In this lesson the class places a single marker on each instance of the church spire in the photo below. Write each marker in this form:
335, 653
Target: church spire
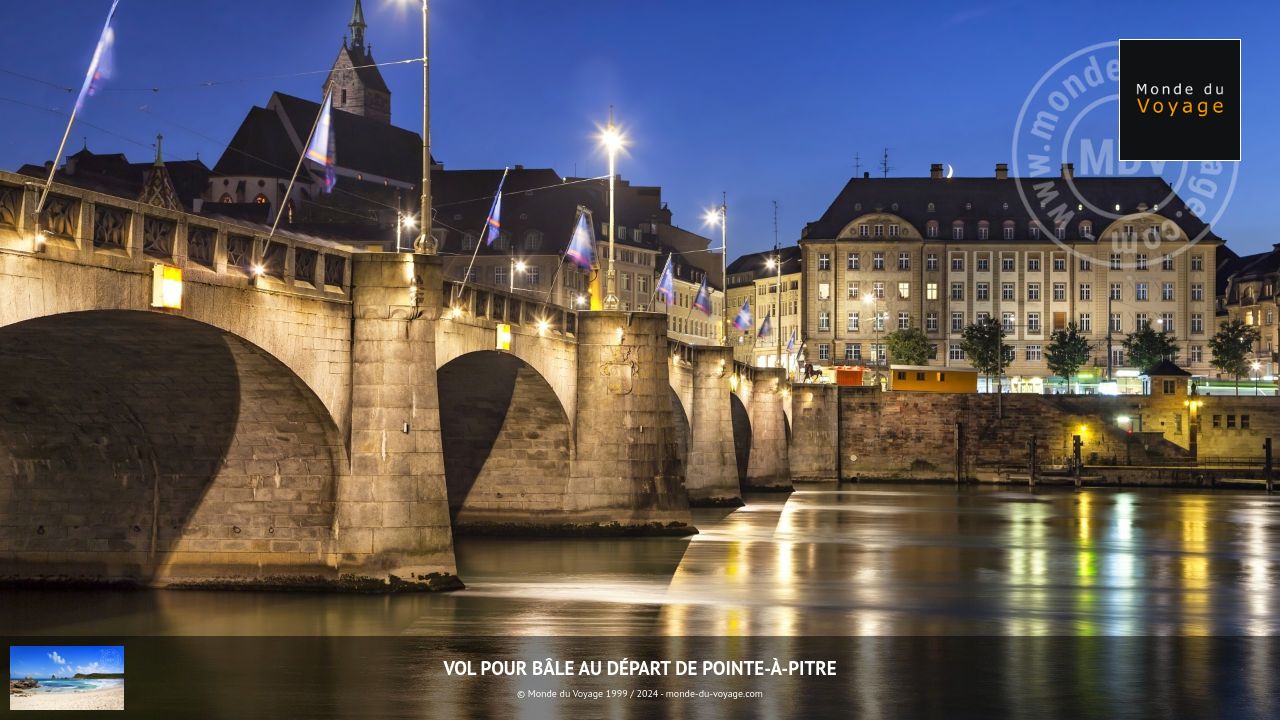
357, 26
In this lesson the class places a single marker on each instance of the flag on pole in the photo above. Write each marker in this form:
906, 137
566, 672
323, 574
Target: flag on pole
743, 321
791, 341
666, 284
766, 327
320, 149
702, 300
582, 247
100, 65
493, 225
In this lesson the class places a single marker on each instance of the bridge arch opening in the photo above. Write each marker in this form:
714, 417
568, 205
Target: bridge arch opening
680, 428
507, 441
741, 436
148, 447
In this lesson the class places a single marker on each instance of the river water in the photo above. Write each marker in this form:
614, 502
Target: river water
1035, 596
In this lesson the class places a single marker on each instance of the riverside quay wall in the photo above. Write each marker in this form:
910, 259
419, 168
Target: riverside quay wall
865, 434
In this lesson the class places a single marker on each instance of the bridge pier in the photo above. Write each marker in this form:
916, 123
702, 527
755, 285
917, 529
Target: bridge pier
391, 522
711, 473
625, 473
768, 467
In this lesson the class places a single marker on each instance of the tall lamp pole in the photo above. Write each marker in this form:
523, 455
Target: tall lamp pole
775, 263
720, 216
870, 299
613, 141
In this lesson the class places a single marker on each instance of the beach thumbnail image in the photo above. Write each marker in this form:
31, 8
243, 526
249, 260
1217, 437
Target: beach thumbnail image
66, 677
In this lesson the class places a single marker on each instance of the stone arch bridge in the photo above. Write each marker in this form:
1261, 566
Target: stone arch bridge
318, 415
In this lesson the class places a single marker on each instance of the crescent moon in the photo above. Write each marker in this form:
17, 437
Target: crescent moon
950, 171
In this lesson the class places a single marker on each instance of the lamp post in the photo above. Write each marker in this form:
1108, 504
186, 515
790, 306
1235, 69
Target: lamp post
406, 222
611, 138
426, 137
720, 216
517, 266
775, 263
870, 299
1257, 368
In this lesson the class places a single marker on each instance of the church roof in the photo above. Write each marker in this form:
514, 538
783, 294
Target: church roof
263, 145
113, 174
366, 68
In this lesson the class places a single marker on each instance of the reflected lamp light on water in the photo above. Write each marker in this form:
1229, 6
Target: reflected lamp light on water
166, 287
504, 337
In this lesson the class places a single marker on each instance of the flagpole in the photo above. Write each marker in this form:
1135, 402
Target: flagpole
467, 275
301, 156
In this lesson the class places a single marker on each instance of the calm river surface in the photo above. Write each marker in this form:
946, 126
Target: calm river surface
1115, 584
858, 560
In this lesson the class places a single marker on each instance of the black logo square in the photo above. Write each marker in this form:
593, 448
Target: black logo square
1180, 100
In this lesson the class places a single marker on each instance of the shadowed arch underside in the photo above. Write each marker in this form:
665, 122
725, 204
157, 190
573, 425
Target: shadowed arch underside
148, 448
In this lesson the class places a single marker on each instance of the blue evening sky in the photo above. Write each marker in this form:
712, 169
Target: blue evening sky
764, 100
64, 660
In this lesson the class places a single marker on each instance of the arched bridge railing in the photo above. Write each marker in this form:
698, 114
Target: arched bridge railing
90, 227
491, 304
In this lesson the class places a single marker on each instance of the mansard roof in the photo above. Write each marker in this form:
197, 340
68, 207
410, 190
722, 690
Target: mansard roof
972, 199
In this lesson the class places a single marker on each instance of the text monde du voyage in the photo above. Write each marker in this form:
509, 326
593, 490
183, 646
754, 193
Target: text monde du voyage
1179, 100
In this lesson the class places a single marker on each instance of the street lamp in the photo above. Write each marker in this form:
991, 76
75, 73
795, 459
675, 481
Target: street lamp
517, 266
407, 222
1257, 367
775, 263
720, 216
870, 299
613, 141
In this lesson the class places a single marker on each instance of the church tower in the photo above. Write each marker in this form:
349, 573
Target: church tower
357, 84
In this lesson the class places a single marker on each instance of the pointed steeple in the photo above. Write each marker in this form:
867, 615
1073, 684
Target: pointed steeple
157, 186
357, 26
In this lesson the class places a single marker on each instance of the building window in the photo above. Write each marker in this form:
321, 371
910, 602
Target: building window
984, 264
893, 230
1033, 231
500, 275
904, 320
1086, 291
1115, 323
626, 282
1059, 264
642, 284
1086, 322
1142, 261
1006, 264
957, 263
1141, 320
955, 352
878, 321
957, 322
853, 351
1086, 229
824, 320
824, 351
1059, 291
1033, 291
853, 261
879, 231
931, 262
824, 261
534, 275
1033, 353
1197, 263
1086, 264
1116, 290
957, 230
1061, 231
1169, 386
1033, 264
824, 291
1007, 230
1166, 291
877, 261
261, 199
1231, 421
931, 322
931, 229
1033, 322
1006, 291
983, 291
1117, 357
853, 288
1008, 321
931, 291
1140, 291
1166, 262
852, 322
984, 230
1197, 292
1197, 354
1115, 261
1244, 422
864, 231
957, 291
1166, 323
904, 291
877, 289
904, 260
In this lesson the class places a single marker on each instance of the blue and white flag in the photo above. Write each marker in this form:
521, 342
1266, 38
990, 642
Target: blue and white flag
666, 284
493, 225
743, 321
791, 341
320, 149
100, 65
766, 327
702, 301
582, 248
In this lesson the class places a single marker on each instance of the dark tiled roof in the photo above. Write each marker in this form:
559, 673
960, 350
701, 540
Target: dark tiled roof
973, 199
263, 147
366, 68
113, 174
756, 265
682, 269
538, 200
1165, 368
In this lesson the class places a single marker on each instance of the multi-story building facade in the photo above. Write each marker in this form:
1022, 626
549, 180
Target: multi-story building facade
685, 322
755, 279
1249, 295
941, 253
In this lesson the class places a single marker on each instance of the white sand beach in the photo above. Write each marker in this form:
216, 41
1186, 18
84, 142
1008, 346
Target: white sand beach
108, 698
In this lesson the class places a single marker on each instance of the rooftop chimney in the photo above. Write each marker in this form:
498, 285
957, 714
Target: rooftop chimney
935, 171
1002, 171
1068, 170
866, 174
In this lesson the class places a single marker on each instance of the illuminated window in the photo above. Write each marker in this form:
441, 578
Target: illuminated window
261, 199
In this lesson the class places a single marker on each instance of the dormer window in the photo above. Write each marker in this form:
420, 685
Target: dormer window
957, 230
984, 230
1086, 229
1007, 229
931, 207
931, 227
